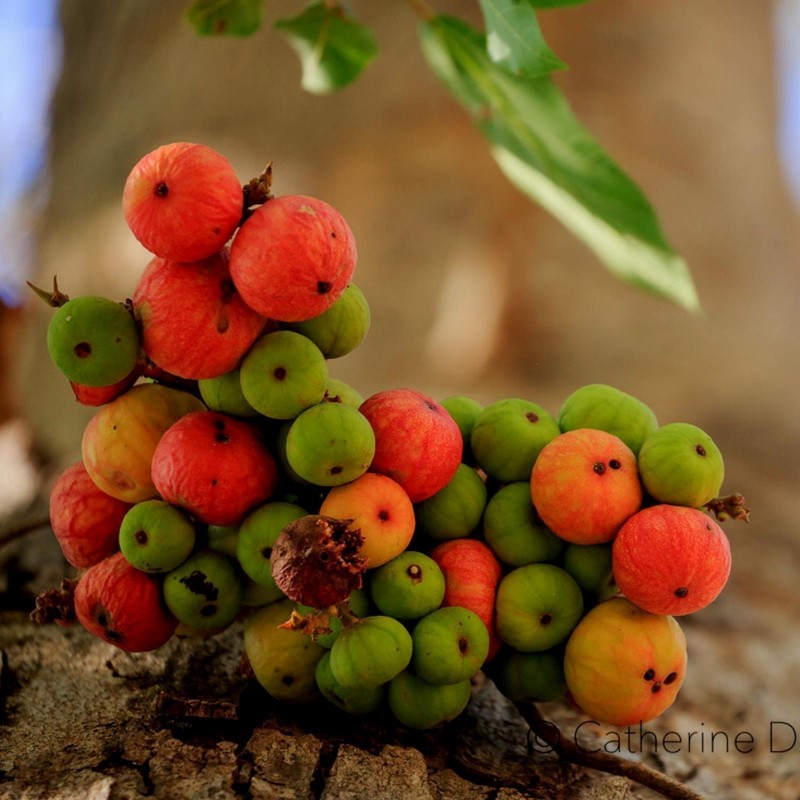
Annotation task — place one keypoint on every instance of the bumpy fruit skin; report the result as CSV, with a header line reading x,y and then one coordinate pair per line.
x,y
119,441
204,592
471,574
194,324
122,605
93,341
624,665
420,705
284,661
585,485
417,443
183,201
84,519
671,559
455,510
214,466
380,509
538,605
680,464
508,436
512,528
155,536
608,409
330,444
293,258
370,652
340,329
409,586
450,646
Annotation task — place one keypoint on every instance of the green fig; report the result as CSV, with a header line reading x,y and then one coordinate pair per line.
x,y
155,536
224,394
456,510
532,677
409,586
361,700
420,705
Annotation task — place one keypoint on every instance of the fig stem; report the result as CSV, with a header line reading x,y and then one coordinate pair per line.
x,y
54,299
569,752
256,191
730,506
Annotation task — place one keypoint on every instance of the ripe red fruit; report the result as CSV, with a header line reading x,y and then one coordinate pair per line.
x,y
100,395
471,574
84,519
183,201
123,606
585,484
417,443
671,559
293,258
193,322
214,466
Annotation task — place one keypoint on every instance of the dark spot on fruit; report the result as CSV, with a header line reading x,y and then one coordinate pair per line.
x,y
216,230
279,373
337,470
197,583
102,620
82,349
545,619
649,675
599,467
113,636
227,290
681,591
463,644
214,481
222,438
709,527
118,340
162,190
323,287
287,680
113,427
324,556
414,572
614,464
383,516
266,552
333,234
671,678
656,687
431,406
531,417
700,450
208,610
141,537
219,424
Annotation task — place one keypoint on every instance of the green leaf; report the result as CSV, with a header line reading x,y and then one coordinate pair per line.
x,y
231,17
545,151
333,47
553,3
514,39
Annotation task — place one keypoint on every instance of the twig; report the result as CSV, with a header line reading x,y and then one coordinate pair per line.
x,y
569,752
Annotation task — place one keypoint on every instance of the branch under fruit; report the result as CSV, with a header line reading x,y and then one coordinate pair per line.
x,y
569,752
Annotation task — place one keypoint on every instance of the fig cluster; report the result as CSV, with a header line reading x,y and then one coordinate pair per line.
x,y
381,551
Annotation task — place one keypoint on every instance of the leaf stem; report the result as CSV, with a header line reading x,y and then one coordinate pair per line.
x,y
569,752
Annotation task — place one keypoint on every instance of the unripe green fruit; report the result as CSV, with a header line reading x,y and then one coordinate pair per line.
x,y
450,646
358,603
340,329
590,566
538,605
223,539
224,394
204,592
680,464
257,535
608,409
512,528
155,536
370,652
409,586
456,510
418,704
532,677
508,436
255,595
353,701
330,444
283,374
284,661
338,391
464,410
93,341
